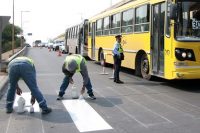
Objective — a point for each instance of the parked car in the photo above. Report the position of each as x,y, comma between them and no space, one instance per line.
62,48
27,45
56,46
50,45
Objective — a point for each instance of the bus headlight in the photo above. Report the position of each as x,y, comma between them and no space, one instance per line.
184,54
189,55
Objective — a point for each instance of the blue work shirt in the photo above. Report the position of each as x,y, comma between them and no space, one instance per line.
116,48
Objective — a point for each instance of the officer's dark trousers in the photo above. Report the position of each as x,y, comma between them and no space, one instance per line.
117,67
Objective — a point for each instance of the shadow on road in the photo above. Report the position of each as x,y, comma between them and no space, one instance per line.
184,85
106,101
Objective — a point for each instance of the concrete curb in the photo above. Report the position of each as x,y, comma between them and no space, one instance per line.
4,64
3,83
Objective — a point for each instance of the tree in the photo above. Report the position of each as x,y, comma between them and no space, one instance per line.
7,37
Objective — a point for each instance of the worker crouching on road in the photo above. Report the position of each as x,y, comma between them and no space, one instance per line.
75,63
23,67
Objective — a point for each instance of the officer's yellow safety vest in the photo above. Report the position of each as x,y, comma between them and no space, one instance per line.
120,50
77,58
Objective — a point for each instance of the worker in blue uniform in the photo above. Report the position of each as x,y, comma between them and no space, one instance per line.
23,67
72,64
118,56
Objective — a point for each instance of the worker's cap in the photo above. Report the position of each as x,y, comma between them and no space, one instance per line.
71,66
118,36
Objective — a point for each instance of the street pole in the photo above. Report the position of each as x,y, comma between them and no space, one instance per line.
22,35
22,30
13,29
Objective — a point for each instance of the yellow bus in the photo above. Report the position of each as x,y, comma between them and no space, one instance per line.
159,37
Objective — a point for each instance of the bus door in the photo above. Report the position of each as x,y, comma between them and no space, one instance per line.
93,41
157,38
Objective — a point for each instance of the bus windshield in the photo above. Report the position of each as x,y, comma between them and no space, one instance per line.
188,21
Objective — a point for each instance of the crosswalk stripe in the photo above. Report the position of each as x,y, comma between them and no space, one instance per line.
84,116
27,97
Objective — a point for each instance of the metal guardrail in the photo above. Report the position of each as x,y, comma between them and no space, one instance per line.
4,64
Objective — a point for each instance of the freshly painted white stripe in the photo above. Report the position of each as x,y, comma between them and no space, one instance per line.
84,116
8,123
27,97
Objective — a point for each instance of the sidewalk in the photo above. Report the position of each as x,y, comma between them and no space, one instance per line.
3,75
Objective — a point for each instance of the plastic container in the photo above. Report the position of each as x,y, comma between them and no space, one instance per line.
31,109
74,92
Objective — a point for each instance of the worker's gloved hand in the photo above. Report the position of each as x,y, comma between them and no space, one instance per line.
32,100
83,89
71,81
18,91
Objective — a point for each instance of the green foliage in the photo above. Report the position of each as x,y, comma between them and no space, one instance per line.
7,37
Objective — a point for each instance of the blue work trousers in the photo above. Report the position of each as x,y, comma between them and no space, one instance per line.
65,84
117,67
26,71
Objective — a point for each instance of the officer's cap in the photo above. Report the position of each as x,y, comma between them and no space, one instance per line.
118,36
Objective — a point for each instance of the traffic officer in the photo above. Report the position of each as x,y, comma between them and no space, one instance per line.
118,56
75,63
23,67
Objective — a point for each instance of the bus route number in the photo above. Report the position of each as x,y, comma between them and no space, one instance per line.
195,24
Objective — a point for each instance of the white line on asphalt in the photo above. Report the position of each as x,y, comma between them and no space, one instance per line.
146,108
123,111
8,123
42,126
27,97
161,102
84,116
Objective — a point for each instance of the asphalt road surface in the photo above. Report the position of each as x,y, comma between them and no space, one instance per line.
138,106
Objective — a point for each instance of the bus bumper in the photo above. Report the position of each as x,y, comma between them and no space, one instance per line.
187,75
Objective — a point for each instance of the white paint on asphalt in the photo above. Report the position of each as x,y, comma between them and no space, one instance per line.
27,97
123,111
84,116
145,108
8,123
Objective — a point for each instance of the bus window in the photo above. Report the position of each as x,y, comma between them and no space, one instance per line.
115,24
142,18
106,24
90,27
127,21
168,18
188,22
85,33
99,27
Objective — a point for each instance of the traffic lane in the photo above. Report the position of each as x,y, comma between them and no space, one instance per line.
36,122
49,76
170,104
138,105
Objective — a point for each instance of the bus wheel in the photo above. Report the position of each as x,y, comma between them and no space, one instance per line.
145,67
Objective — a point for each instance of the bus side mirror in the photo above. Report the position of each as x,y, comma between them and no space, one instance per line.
173,11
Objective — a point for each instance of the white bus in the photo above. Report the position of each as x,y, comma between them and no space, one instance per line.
76,39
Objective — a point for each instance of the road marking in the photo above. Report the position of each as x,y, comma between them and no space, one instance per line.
8,123
84,116
27,97
148,109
